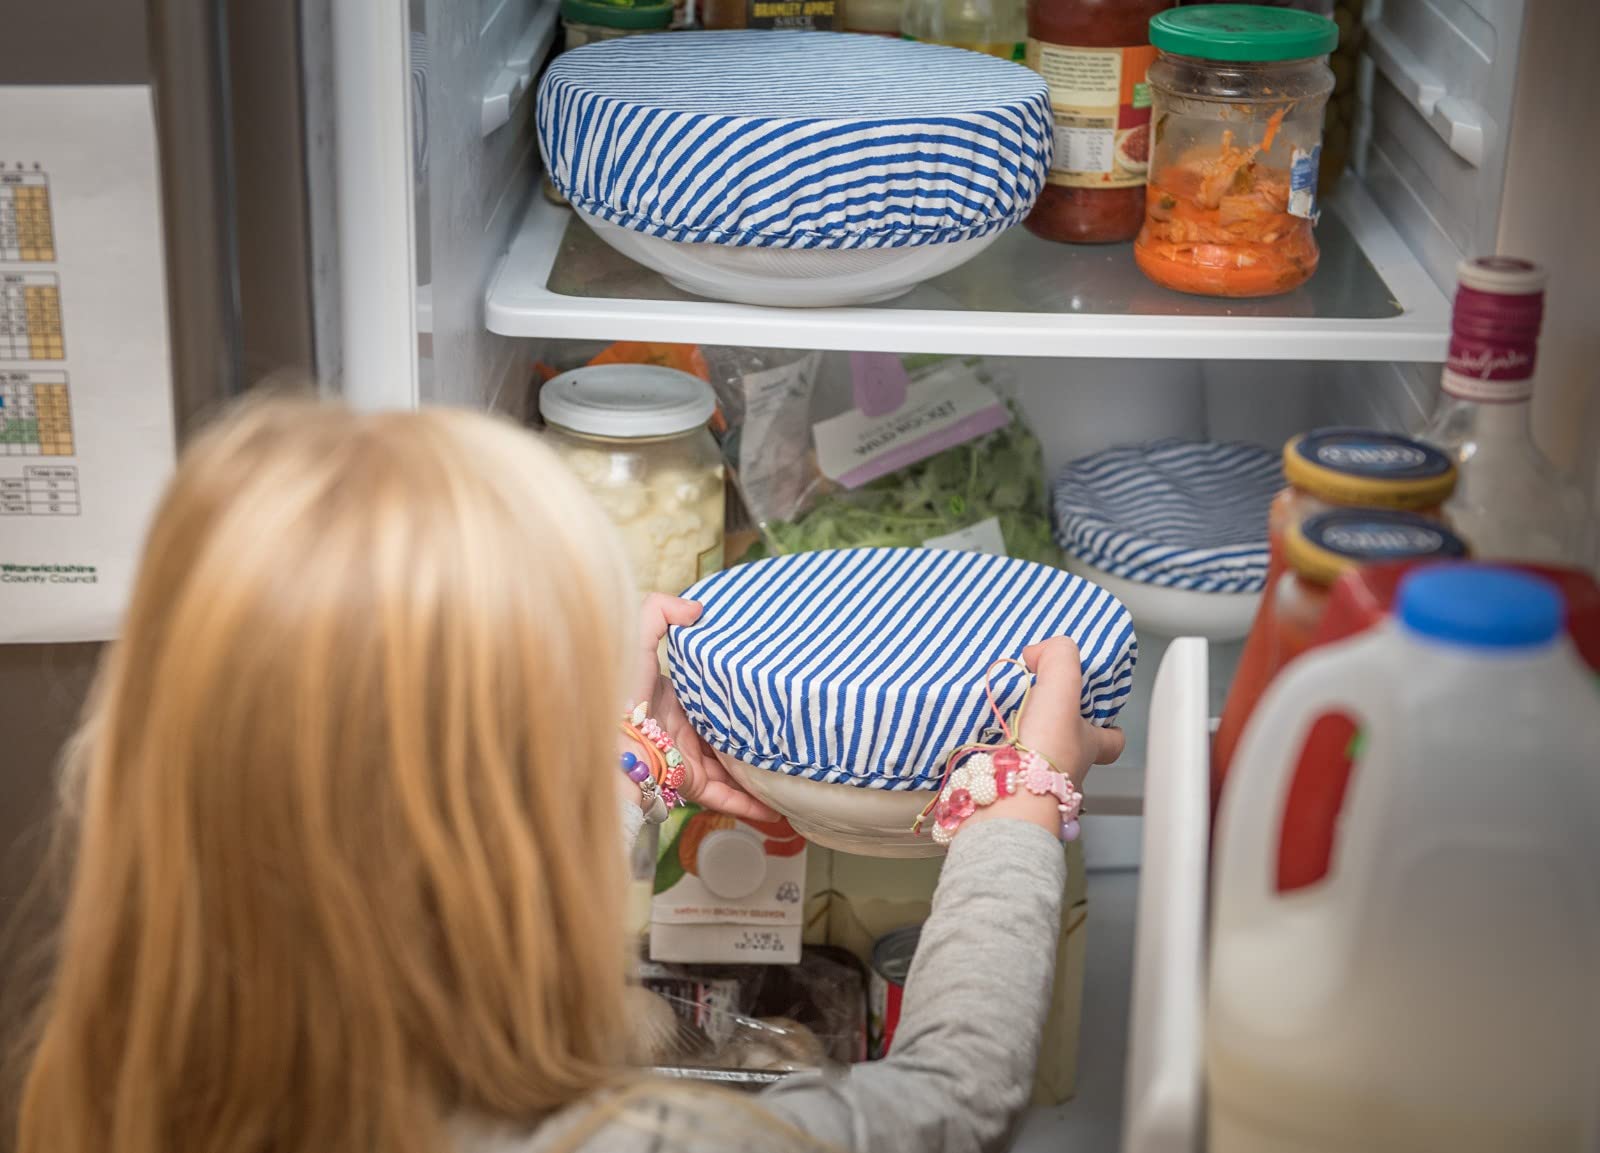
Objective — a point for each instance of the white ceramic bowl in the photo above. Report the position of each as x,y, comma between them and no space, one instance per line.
867,822
1176,612
789,277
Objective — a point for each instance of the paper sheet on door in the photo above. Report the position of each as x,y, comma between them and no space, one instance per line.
86,421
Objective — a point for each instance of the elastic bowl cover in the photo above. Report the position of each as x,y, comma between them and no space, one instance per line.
866,666
795,139
1174,513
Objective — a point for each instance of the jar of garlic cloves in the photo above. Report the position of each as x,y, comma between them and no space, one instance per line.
636,435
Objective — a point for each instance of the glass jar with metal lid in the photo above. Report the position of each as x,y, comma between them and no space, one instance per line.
1237,95
636,435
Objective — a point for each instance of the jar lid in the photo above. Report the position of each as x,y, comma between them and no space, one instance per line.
1321,548
1363,466
1243,32
627,401
617,13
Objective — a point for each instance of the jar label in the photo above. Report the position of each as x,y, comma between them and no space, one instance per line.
1100,99
1493,346
807,15
1303,165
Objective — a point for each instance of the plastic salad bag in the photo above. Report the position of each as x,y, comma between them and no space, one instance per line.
881,450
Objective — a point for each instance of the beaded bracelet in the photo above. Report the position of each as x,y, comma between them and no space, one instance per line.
976,776
663,764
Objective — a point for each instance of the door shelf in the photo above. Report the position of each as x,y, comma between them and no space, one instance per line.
1370,301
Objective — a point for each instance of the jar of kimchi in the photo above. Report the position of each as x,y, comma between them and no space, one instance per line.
1094,55
1238,97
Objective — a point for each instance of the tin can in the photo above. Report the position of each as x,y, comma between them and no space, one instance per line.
891,962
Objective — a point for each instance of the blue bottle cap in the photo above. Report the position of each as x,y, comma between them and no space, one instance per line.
1482,607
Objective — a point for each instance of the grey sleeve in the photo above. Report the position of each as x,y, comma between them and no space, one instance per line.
967,1045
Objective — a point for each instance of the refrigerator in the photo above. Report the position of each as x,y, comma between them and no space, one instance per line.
349,202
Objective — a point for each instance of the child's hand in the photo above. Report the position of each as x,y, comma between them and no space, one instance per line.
1053,726
706,782
1052,723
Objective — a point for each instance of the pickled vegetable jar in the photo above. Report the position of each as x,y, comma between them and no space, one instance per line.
1238,94
636,436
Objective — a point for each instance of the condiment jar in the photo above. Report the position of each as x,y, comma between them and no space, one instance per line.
586,21
789,15
1322,548
1358,468
1238,96
1326,469
636,435
1094,54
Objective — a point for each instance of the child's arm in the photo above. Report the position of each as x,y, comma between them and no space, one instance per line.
967,1045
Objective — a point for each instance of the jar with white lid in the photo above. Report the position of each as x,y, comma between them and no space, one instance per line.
636,435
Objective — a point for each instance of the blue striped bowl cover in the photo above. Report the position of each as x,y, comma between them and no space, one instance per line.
795,139
1174,513
865,666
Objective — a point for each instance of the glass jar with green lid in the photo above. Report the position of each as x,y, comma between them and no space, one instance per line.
1237,94
585,21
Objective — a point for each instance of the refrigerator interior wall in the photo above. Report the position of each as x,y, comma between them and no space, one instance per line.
1437,89
470,66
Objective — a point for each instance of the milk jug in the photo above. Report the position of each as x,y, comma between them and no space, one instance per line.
1440,988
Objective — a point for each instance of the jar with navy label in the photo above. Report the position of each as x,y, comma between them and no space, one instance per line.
1324,547
1238,93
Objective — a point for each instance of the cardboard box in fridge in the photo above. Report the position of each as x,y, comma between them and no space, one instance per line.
852,901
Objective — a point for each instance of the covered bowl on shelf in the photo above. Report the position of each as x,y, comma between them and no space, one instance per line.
832,684
794,168
1176,529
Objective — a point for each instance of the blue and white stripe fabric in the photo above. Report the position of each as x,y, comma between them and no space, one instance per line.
1174,513
865,666
795,139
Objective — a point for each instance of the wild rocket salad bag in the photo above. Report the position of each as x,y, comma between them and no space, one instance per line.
879,450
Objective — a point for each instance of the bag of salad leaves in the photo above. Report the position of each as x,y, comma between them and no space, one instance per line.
883,450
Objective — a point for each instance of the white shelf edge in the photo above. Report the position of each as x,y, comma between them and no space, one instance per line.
520,305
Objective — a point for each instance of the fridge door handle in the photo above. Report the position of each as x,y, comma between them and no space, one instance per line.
1458,121
505,93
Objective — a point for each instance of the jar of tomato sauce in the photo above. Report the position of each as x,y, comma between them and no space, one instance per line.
1094,55
1326,469
1238,96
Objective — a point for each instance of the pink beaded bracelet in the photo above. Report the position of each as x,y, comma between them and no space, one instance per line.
976,776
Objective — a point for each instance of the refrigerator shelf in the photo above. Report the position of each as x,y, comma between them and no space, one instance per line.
1370,301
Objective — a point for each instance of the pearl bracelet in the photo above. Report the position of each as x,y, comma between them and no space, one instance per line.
976,776
983,776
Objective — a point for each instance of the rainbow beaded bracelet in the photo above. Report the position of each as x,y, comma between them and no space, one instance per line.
663,764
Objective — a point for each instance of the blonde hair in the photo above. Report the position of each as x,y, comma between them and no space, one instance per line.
348,858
